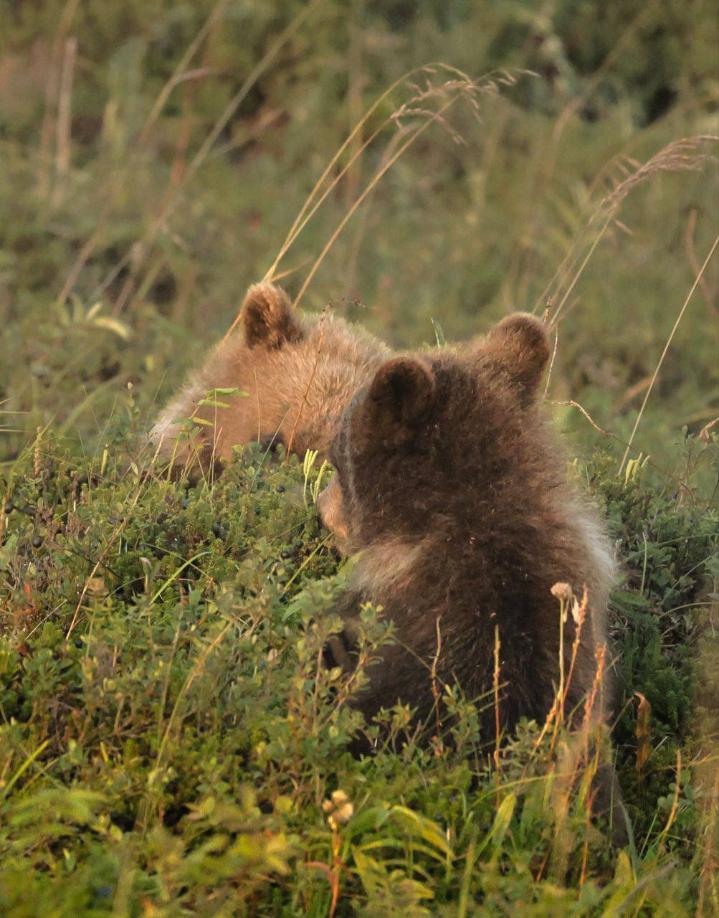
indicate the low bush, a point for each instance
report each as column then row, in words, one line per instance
column 171, row 742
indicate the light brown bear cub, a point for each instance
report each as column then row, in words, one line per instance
column 297, row 375
column 453, row 489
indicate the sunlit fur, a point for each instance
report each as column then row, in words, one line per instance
column 298, row 373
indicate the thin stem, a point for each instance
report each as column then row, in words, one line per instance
column 666, row 349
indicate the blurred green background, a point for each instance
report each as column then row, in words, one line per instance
column 154, row 155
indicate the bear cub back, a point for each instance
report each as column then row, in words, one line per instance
column 453, row 489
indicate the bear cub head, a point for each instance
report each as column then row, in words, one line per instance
column 294, row 374
column 430, row 429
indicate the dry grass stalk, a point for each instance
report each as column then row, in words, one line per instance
column 671, row 818
column 457, row 81
column 667, row 345
column 685, row 155
column 49, row 115
column 180, row 72
column 136, row 257
column 456, row 89
column 708, row 900
column 436, row 694
column 64, row 114
column 555, row 716
column 459, row 86
column 179, row 75
column 495, row 688
column 706, row 429
column 709, row 294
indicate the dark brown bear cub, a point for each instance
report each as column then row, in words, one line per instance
column 452, row 488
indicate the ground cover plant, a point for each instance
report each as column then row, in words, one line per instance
column 170, row 736
column 170, row 742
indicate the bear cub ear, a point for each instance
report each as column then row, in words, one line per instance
column 398, row 397
column 521, row 344
column 268, row 318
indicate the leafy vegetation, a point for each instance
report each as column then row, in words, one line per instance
column 170, row 742
column 170, row 734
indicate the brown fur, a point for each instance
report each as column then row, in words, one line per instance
column 446, row 467
column 298, row 375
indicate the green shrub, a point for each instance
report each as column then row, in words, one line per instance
column 169, row 732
